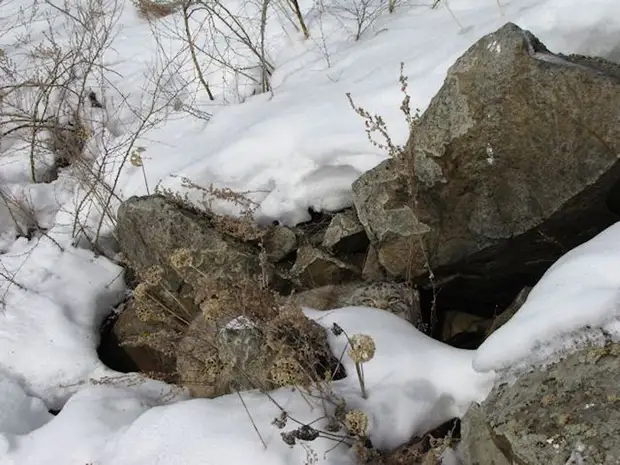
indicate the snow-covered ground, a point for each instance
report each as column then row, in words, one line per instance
column 298, row 146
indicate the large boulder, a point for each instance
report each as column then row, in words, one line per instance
column 152, row 229
column 566, row 414
column 206, row 312
column 515, row 161
column 180, row 258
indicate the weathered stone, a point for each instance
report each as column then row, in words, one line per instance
column 455, row 322
column 151, row 232
column 345, row 234
column 279, row 242
column 514, row 162
column 372, row 269
column 480, row 446
column 150, row 229
column 136, row 337
column 287, row 350
column 397, row 298
column 501, row 319
column 383, row 206
column 315, row 268
column 567, row 413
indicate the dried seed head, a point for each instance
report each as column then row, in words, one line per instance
column 136, row 158
column 181, row 259
column 286, row 371
column 306, row 433
column 336, row 329
column 362, row 348
column 141, row 293
column 153, row 275
column 280, row 422
column 356, row 422
column 289, row 438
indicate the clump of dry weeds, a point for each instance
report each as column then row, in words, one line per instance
column 155, row 9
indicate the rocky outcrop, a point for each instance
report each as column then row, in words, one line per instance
column 199, row 276
column 397, row 298
column 345, row 234
column 566, row 414
column 315, row 268
column 514, row 162
column 286, row 349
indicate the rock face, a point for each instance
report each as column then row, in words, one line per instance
column 345, row 233
column 568, row 414
column 400, row 299
column 287, row 349
column 150, row 229
column 315, row 267
column 197, row 275
column 515, row 161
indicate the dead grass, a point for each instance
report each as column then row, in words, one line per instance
column 156, row 9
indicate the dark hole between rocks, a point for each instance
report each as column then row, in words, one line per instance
column 482, row 297
column 110, row 352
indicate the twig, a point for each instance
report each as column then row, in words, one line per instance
column 251, row 419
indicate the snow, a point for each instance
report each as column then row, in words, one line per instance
column 576, row 302
column 303, row 146
column 20, row 412
column 298, row 146
column 51, row 310
column 414, row 383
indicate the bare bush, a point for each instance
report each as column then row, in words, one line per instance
column 57, row 98
column 292, row 12
column 357, row 16
column 223, row 43
column 155, row 9
column 376, row 127
column 46, row 105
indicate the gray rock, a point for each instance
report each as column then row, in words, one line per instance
column 390, row 222
column 514, row 162
column 372, row 269
column 315, row 268
column 151, row 230
column 397, row 298
column 345, row 234
column 138, row 342
column 288, row 349
column 279, row 242
column 566, row 414
column 501, row 319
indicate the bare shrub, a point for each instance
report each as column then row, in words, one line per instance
column 357, row 16
column 46, row 105
column 377, row 132
column 155, row 9
column 292, row 12
column 226, row 39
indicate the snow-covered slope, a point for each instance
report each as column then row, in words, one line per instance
column 298, row 146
